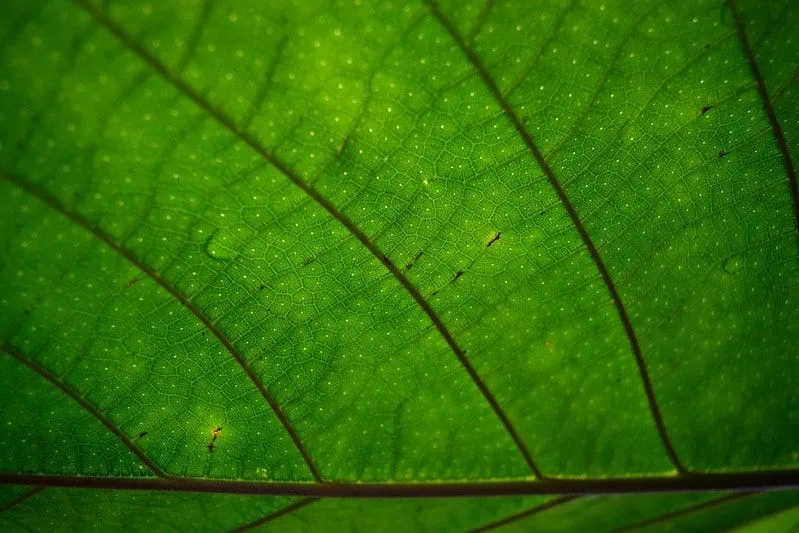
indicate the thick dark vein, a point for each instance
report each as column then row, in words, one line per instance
column 732, row 481
column 769, row 107
column 21, row 498
column 88, row 407
column 668, row 517
column 578, row 224
column 328, row 206
column 274, row 516
column 525, row 514
column 182, row 299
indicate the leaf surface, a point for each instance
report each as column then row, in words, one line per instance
column 456, row 248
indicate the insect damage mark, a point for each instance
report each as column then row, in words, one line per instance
column 142, row 434
column 494, row 239
column 706, row 108
column 458, row 274
column 309, row 261
column 214, row 435
column 723, row 154
column 416, row 258
column 131, row 282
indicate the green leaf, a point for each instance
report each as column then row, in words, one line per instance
column 422, row 252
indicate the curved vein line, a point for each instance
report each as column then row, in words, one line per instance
column 524, row 514
column 575, row 218
column 328, row 206
column 513, row 85
column 665, row 517
column 737, row 481
column 602, row 81
column 769, row 108
column 274, row 516
column 87, row 406
column 22, row 498
column 127, row 254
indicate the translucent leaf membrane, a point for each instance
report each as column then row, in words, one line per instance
column 397, row 242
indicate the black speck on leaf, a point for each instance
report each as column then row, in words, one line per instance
column 706, row 108
column 723, row 154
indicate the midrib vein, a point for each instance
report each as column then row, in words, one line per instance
column 229, row 124
column 489, row 82
column 146, row 269
column 732, row 481
column 86, row 405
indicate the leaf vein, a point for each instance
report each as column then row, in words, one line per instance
column 578, row 224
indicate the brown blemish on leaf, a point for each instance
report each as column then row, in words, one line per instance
column 706, row 108
column 410, row 264
column 130, row 283
column 214, row 435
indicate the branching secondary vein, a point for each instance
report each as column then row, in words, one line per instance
column 87, row 406
column 768, row 106
column 228, row 123
column 578, row 224
column 55, row 204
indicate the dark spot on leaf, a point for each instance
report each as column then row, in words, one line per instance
column 130, row 283
column 261, row 287
column 706, row 108
column 494, row 239
column 458, row 274
column 723, row 154
column 410, row 264
column 309, row 261
column 434, row 293
column 26, row 312
column 707, row 46
column 214, row 435
column 142, row 434
column 543, row 212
